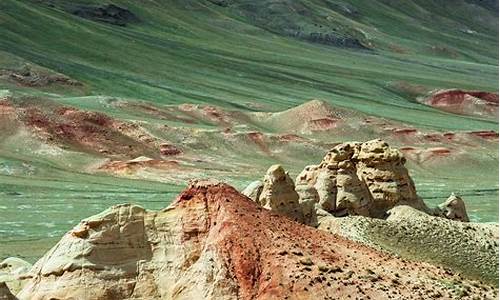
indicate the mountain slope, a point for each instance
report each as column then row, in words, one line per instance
column 195, row 51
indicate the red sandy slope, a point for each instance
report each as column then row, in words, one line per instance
column 272, row 257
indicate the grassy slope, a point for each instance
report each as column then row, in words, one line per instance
column 199, row 54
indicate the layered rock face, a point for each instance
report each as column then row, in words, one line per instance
column 214, row 243
column 359, row 179
column 382, row 169
column 334, row 184
column 366, row 179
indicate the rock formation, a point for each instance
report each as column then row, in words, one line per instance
column 382, row 169
column 454, row 209
column 279, row 195
column 335, row 182
column 214, row 243
column 359, row 179
column 366, row 179
column 253, row 190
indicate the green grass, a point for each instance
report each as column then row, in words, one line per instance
column 207, row 55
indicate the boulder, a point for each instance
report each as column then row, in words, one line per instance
column 454, row 209
column 253, row 190
column 12, row 270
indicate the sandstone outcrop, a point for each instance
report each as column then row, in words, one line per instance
column 454, row 209
column 366, row 179
column 359, row 179
column 278, row 194
column 214, row 243
column 253, row 190
column 335, row 183
column 382, row 169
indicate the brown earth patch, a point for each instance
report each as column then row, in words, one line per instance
column 31, row 77
column 405, row 131
column 407, row 149
column 258, row 139
column 440, row 151
column 131, row 166
column 322, row 124
column 489, row 135
column 169, row 149
column 291, row 138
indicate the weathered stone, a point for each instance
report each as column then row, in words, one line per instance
column 279, row 195
column 454, row 209
column 382, row 169
column 366, row 179
column 11, row 271
column 359, row 179
column 253, row 190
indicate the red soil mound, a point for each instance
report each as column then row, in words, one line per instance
column 474, row 103
column 215, row 243
column 92, row 132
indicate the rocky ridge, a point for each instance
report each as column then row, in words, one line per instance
column 214, row 243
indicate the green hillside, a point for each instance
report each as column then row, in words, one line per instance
column 198, row 51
